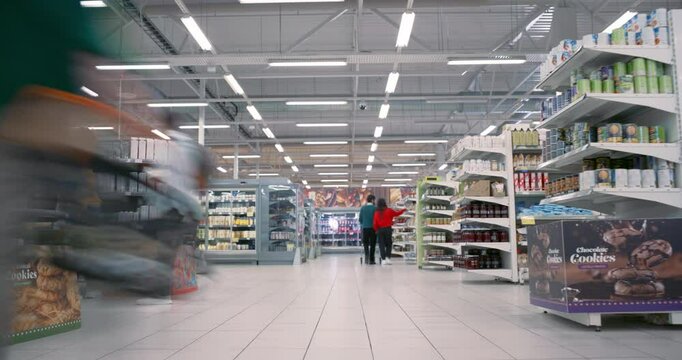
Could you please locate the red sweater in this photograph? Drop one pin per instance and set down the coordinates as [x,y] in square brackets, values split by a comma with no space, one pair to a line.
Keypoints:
[384,218]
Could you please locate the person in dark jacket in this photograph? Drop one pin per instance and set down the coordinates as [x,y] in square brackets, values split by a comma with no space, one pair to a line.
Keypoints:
[369,237]
[383,220]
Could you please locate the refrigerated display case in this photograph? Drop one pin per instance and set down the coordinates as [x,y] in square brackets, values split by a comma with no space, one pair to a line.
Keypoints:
[311,243]
[282,233]
[339,230]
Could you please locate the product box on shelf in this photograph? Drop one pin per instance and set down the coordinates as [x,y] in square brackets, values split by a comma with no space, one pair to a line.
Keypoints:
[606,266]
[478,188]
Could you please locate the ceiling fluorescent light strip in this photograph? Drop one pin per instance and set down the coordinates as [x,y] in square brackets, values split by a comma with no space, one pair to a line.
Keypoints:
[205,126]
[221,169]
[279,148]
[322,124]
[268,133]
[332,173]
[426,141]
[133,67]
[378,131]
[335,186]
[364,182]
[368,168]
[288,159]
[392,82]
[327,155]
[486,61]
[416,154]
[304,182]
[397,179]
[264,174]
[325,142]
[197,33]
[86,90]
[294,168]
[334,180]
[442,167]
[383,112]
[330,165]
[160,134]
[234,85]
[93,4]
[254,112]
[409,165]
[370,159]
[316,103]
[242,156]
[488,130]
[307,63]
[374,147]
[170,104]
[405,29]
[100,128]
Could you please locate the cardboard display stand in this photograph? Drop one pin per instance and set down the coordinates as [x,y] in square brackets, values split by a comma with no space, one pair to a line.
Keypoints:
[47,301]
[607,266]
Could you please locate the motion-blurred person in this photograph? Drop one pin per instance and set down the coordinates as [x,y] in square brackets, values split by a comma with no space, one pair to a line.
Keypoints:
[383,222]
[35,61]
[369,237]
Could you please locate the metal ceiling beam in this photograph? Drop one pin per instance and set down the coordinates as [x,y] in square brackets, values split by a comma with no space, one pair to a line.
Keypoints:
[314,30]
[236,8]
[395,25]
[379,57]
[406,97]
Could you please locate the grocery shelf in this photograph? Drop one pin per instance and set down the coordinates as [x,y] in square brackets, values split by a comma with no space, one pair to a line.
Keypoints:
[440,212]
[588,198]
[526,169]
[467,175]
[501,222]
[449,264]
[447,184]
[594,56]
[437,197]
[476,153]
[572,160]
[596,107]
[488,199]
[445,245]
[502,246]
[529,194]
[527,149]
[449,228]
[500,273]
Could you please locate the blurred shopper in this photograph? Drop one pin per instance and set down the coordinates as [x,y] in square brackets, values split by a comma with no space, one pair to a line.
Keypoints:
[369,236]
[383,222]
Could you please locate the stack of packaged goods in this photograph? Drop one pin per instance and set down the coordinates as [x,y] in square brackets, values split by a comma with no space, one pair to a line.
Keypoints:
[549,210]
[471,234]
[477,259]
[525,138]
[478,142]
[642,29]
[477,210]
[435,237]
[437,255]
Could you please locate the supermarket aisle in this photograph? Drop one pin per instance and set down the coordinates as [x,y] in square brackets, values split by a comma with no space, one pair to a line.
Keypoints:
[333,308]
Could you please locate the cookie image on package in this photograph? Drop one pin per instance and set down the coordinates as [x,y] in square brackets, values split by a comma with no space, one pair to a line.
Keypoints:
[651,253]
[631,274]
[536,256]
[651,289]
[541,286]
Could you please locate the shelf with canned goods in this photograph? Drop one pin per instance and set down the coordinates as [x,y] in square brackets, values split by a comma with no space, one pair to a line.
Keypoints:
[465,199]
[502,246]
[477,174]
[597,198]
[594,56]
[445,184]
[572,161]
[446,227]
[596,107]
[501,222]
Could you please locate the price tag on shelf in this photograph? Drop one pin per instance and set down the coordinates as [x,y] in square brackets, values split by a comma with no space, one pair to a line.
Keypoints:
[527,220]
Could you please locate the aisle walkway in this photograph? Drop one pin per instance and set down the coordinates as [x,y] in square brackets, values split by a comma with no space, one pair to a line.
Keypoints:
[333,308]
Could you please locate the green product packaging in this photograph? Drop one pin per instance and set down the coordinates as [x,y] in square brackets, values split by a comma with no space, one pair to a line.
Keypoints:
[638,67]
[595,86]
[652,68]
[643,134]
[608,86]
[630,133]
[595,75]
[625,85]
[618,36]
[641,85]
[619,69]
[583,86]
[656,135]
[628,68]
[652,84]
[665,84]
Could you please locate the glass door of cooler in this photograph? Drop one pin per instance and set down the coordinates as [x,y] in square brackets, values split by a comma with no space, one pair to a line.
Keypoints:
[282,238]
[229,231]
[339,230]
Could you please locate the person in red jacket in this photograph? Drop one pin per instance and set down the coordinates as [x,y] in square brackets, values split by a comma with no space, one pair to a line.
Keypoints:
[383,220]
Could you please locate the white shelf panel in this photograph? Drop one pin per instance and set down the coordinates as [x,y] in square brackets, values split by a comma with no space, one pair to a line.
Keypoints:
[586,198]
[447,184]
[437,198]
[501,222]
[449,228]
[589,57]
[440,212]
[572,161]
[527,149]
[466,175]
[500,273]
[502,246]
[476,153]
[594,108]
[489,199]
[527,194]
[448,264]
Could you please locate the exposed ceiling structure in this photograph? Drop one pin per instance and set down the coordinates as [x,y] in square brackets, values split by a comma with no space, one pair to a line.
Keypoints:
[432,100]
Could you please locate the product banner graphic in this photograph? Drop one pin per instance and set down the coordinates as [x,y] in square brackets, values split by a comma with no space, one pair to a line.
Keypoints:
[607,265]
[46,300]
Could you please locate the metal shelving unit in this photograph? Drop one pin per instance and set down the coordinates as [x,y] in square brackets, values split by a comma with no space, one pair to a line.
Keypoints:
[433,202]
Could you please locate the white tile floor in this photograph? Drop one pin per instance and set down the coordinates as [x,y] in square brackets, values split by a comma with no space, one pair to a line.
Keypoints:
[333,308]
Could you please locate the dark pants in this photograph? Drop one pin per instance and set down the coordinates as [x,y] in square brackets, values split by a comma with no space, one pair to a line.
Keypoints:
[369,241]
[385,236]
